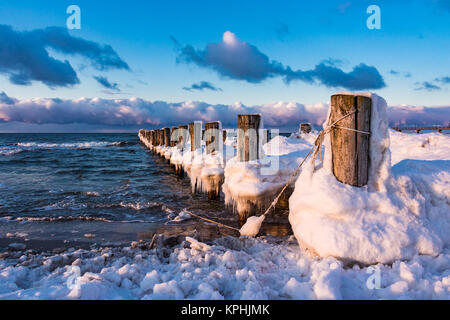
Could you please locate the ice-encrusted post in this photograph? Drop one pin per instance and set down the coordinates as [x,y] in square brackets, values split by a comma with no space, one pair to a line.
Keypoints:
[265,137]
[213,180]
[195,131]
[173,137]
[350,149]
[305,128]
[182,136]
[166,137]
[248,137]
[161,137]
[212,136]
[155,141]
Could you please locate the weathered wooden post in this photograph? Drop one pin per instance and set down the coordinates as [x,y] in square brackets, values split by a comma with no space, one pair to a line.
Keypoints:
[195,131]
[212,144]
[265,137]
[173,137]
[161,137]
[305,128]
[182,136]
[155,138]
[350,149]
[212,137]
[248,137]
[166,137]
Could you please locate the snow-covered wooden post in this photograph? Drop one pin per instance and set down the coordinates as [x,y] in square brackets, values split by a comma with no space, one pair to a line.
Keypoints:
[305,128]
[182,136]
[265,137]
[350,149]
[195,132]
[173,137]
[155,141]
[248,137]
[212,136]
[166,137]
[161,137]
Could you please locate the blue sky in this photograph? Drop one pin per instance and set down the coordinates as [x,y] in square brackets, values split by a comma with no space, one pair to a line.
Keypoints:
[410,52]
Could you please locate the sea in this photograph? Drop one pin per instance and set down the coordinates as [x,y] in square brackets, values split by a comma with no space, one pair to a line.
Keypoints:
[91,188]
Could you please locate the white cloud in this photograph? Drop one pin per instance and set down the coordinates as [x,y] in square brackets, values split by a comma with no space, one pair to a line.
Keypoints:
[136,112]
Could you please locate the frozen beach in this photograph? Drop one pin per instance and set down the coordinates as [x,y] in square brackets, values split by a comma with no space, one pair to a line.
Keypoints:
[238,268]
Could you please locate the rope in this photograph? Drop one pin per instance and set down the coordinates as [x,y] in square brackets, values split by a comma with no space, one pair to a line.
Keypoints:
[212,221]
[317,146]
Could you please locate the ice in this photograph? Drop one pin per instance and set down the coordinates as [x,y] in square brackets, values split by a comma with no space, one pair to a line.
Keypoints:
[404,210]
[229,268]
[257,182]
[252,226]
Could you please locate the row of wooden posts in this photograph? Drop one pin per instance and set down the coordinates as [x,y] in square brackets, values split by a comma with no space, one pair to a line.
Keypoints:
[349,147]
[178,136]
[249,135]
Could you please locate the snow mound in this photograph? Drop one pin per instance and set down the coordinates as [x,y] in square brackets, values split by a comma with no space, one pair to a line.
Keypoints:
[400,213]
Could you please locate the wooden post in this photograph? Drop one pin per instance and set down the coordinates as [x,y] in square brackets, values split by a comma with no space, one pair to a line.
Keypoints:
[224,135]
[173,137]
[350,150]
[166,137]
[155,138]
[248,137]
[305,128]
[212,136]
[265,137]
[161,137]
[195,131]
[182,136]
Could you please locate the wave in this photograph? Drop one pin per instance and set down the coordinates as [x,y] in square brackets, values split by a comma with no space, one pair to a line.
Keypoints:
[30,146]
[74,145]
[71,219]
[9,151]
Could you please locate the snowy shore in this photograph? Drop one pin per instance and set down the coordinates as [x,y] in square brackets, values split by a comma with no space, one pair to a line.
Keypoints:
[244,268]
[227,268]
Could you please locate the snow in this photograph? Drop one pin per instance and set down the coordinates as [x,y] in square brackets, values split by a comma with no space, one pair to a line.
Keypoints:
[252,226]
[404,210]
[227,268]
[257,182]
[388,240]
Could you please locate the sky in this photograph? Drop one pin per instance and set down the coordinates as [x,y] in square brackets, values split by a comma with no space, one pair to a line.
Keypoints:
[145,63]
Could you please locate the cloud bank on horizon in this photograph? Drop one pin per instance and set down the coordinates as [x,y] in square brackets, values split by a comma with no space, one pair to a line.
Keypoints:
[136,112]
[234,59]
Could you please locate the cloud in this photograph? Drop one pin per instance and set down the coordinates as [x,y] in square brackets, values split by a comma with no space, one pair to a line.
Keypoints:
[428,86]
[418,115]
[134,112]
[238,60]
[400,73]
[443,80]
[4,99]
[105,83]
[24,56]
[202,85]
[282,31]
